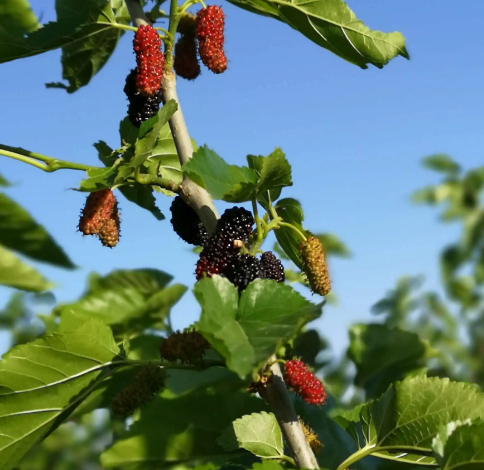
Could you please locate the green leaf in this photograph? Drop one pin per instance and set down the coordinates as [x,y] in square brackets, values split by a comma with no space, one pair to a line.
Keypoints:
[17,17]
[402,423]
[144,146]
[460,445]
[83,59]
[333,245]
[81,22]
[42,382]
[258,433]
[291,211]
[163,161]
[14,273]
[248,332]
[131,301]
[230,183]
[332,25]
[20,232]
[98,178]
[181,431]
[441,163]
[142,195]
[274,171]
[383,355]
[139,194]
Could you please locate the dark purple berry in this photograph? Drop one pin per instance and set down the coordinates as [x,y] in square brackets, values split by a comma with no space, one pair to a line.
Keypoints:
[187,224]
[272,267]
[242,270]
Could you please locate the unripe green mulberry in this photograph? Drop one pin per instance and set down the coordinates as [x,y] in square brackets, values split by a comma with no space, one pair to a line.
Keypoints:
[315,268]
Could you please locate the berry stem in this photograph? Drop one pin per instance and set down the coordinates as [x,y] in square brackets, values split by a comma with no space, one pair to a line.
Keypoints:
[286,458]
[295,229]
[163,30]
[49,164]
[120,26]
[260,231]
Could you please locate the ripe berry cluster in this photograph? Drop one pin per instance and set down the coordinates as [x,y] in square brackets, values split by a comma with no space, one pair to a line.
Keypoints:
[141,107]
[304,382]
[149,58]
[145,385]
[187,224]
[315,267]
[210,34]
[100,217]
[186,56]
[187,347]
[233,230]
[221,254]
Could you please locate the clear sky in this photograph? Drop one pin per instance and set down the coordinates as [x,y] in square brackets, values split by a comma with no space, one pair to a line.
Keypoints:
[354,138]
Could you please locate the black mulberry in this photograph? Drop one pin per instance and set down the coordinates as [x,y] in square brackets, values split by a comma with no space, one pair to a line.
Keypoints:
[272,267]
[187,224]
[242,270]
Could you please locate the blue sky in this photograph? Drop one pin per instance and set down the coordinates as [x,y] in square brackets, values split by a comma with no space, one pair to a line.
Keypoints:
[354,138]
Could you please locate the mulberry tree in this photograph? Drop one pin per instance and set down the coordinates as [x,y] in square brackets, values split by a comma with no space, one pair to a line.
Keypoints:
[234,388]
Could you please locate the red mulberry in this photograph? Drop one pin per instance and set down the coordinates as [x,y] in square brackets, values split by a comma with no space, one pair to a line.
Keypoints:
[304,382]
[210,34]
[149,58]
[100,216]
[97,211]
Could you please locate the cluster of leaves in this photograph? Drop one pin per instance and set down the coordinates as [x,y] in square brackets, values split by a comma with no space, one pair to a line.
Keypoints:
[88,33]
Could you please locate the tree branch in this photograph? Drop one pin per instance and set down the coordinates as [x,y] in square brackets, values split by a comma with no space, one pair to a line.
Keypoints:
[276,393]
[194,195]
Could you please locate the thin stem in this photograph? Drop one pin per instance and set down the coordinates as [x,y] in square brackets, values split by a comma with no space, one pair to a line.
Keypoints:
[281,457]
[295,229]
[51,164]
[163,30]
[174,18]
[24,159]
[359,454]
[120,26]
[260,231]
